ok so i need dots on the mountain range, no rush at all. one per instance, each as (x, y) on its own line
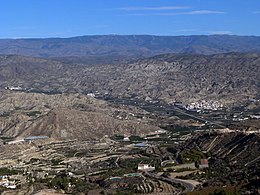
(129, 46)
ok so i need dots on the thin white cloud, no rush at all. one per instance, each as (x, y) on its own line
(201, 12)
(153, 8)
(195, 12)
(220, 32)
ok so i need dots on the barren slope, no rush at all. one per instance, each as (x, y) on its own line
(225, 77)
(65, 117)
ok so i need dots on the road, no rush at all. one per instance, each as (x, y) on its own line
(167, 162)
(164, 108)
(188, 186)
(198, 118)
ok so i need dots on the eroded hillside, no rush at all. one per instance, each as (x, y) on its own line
(228, 78)
(230, 161)
(65, 116)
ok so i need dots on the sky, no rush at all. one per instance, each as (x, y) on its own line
(68, 18)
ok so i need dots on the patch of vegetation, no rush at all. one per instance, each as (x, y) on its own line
(81, 186)
(17, 108)
(6, 171)
(183, 169)
(32, 160)
(119, 137)
(192, 156)
(133, 162)
(7, 138)
(117, 172)
(136, 138)
(126, 192)
(5, 114)
(135, 151)
(2, 189)
(177, 128)
(56, 161)
(69, 184)
(59, 182)
(229, 190)
(33, 113)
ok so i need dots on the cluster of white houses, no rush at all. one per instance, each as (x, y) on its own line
(6, 183)
(145, 167)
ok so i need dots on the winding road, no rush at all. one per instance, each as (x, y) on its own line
(189, 187)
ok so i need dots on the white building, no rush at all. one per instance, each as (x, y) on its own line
(4, 182)
(91, 95)
(255, 116)
(145, 167)
(126, 139)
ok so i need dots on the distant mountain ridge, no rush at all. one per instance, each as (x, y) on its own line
(129, 45)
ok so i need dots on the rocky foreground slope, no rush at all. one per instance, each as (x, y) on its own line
(233, 158)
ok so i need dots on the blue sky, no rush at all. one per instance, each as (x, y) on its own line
(67, 18)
